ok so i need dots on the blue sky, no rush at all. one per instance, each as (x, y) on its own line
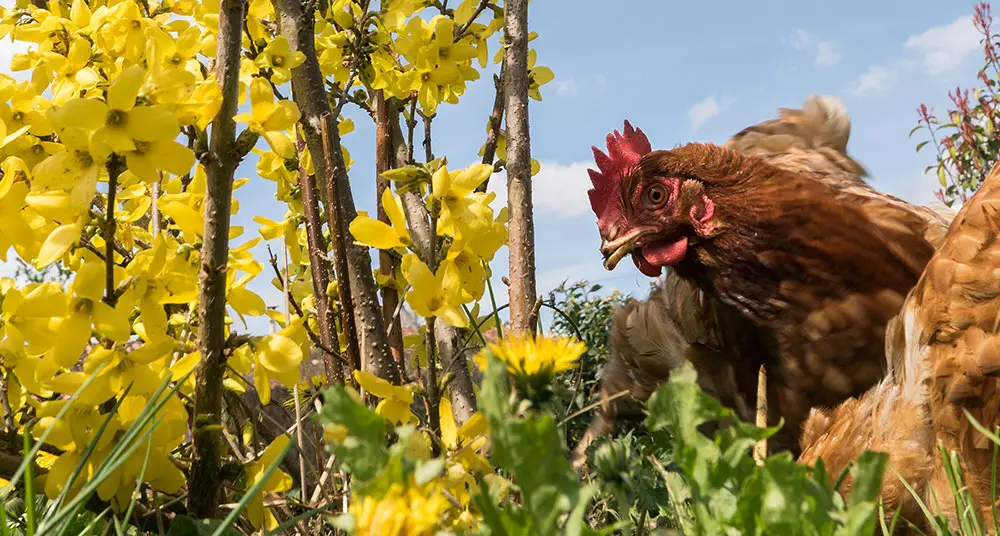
(688, 71)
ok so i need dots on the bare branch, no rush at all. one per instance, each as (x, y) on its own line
(204, 481)
(493, 134)
(522, 227)
(320, 270)
(388, 264)
(114, 170)
(310, 94)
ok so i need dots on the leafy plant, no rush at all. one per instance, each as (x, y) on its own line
(728, 493)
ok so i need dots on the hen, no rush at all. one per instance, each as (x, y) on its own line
(779, 254)
(943, 360)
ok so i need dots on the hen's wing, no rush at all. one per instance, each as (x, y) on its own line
(813, 141)
(943, 356)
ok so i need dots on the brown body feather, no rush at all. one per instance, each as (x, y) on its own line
(943, 355)
(801, 270)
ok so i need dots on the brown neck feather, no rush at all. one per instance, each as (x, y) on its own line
(776, 228)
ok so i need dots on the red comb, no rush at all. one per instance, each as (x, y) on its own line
(624, 152)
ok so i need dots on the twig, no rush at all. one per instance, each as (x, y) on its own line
(154, 210)
(295, 388)
(388, 263)
(338, 233)
(204, 482)
(320, 275)
(298, 310)
(433, 397)
(114, 170)
(8, 414)
(310, 94)
(595, 405)
(411, 125)
(475, 15)
(327, 471)
(428, 153)
(493, 134)
(760, 448)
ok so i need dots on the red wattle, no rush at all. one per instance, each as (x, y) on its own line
(665, 253)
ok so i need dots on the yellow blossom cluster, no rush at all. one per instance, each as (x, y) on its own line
(465, 220)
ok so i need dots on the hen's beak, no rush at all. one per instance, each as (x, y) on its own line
(617, 249)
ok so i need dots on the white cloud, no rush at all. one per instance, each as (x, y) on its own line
(801, 39)
(558, 190)
(875, 80)
(703, 110)
(566, 88)
(944, 47)
(827, 54)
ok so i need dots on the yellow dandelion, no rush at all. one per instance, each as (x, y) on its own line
(535, 356)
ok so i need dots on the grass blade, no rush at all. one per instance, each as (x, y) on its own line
(29, 487)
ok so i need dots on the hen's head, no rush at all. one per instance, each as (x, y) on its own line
(650, 203)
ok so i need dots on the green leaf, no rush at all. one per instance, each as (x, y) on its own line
(922, 144)
(363, 451)
(532, 450)
(427, 471)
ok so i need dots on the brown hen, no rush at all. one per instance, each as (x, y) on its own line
(943, 360)
(779, 254)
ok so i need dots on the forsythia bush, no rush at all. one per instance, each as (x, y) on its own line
(115, 143)
(104, 149)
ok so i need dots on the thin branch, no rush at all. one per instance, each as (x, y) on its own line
(114, 170)
(475, 15)
(320, 271)
(338, 234)
(388, 263)
(310, 94)
(298, 310)
(493, 133)
(428, 152)
(154, 210)
(433, 397)
(411, 125)
(204, 481)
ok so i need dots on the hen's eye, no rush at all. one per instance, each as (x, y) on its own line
(655, 196)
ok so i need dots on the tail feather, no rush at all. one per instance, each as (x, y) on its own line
(813, 138)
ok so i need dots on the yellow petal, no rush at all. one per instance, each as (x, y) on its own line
(74, 334)
(111, 322)
(151, 351)
(185, 364)
(246, 302)
(57, 244)
(394, 211)
(449, 433)
(263, 384)
(373, 233)
(124, 90)
(474, 427)
(278, 353)
(88, 114)
(152, 123)
(172, 156)
(373, 384)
